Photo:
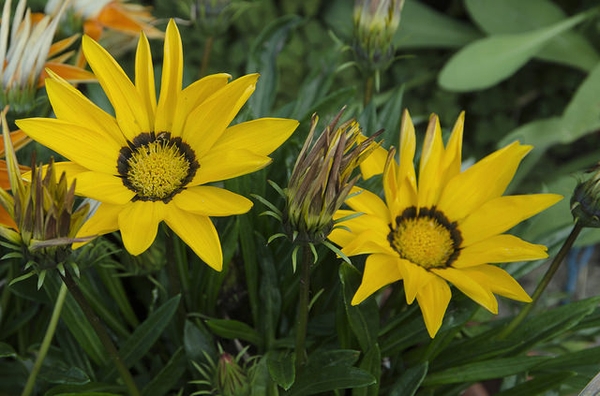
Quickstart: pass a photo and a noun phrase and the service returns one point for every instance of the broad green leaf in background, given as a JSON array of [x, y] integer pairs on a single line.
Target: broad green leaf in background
[[538, 385], [282, 368], [490, 60], [230, 329], [6, 350], [410, 380], [168, 376], [517, 16]]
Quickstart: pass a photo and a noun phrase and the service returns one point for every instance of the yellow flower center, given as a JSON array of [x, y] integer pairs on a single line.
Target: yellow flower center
[[426, 238], [156, 166]]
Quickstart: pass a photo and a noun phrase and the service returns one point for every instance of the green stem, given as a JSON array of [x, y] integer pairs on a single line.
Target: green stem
[[101, 332], [60, 300], [206, 55], [368, 90], [558, 259], [303, 300]]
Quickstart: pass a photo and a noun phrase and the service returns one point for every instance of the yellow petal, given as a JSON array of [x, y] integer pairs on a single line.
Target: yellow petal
[[79, 144], [172, 75], [144, 78], [364, 201], [225, 164], [499, 281], [415, 278], [485, 180], [480, 293], [138, 222], [452, 160], [406, 177], [380, 270], [369, 242], [502, 248], [374, 163], [429, 168], [501, 214], [70, 73], [193, 95], [433, 300], [129, 109], [102, 187], [199, 233], [347, 230], [208, 121], [103, 221], [261, 136], [69, 104], [211, 201]]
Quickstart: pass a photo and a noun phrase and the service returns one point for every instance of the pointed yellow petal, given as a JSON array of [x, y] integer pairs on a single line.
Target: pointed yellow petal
[[485, 180], [408, 143], [502, 248], [480, 293], [501, 214], [261, 136], [211, 201], [77, 143], [144, 78], [452, 160], [124, 97], [138, 222], [226, 164], [380, 270], [193, 95], [212, 117], [369, 242], [433, 300], [103, 221], [69, 104], [172, 75], [429, 168], [347, 230], [364, 201], [102, 187], [374, 163], [199, 233], [70, 73], [415, 278], [499, 281]]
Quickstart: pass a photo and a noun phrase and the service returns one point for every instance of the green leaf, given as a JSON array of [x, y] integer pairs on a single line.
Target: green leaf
[[92, 388], [6, 350], [570, 360], [538, 385], [144, 337], [389, 118], [423, 27], [363, 318], [410, 381], [282, 368], [61, 374], [197, 341], [517, 16], [263, 57], [485, 370], [77, 323], [582, 114], [230, 329], [488, 61], [371, 363], [168, 376]]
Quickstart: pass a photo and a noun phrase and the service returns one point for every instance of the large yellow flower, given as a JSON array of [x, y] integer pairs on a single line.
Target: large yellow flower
[[152, 161], [448, 227]]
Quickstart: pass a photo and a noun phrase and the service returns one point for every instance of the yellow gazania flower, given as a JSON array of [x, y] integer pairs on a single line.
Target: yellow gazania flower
[[153, 160], [447, 227]]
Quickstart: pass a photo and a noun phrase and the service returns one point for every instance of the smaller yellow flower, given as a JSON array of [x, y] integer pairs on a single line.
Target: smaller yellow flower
[[447, 225]]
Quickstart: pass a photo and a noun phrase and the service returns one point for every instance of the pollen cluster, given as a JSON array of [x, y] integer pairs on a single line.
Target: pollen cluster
[[156, 167], [427, 239]]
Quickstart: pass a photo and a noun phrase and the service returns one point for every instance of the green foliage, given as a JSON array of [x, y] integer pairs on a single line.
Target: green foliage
[[522, 70]]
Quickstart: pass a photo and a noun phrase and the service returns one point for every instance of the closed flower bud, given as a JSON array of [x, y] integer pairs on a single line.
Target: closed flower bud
[[585, 202]]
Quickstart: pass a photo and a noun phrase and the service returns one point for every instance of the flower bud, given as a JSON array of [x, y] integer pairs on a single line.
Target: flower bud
[[585, 202]]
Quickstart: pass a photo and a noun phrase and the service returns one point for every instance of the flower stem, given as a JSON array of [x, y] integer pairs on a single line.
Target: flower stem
[[368, 90], [101, 333], [206, 55], [558, 259], [60, 300], [303, 300]]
